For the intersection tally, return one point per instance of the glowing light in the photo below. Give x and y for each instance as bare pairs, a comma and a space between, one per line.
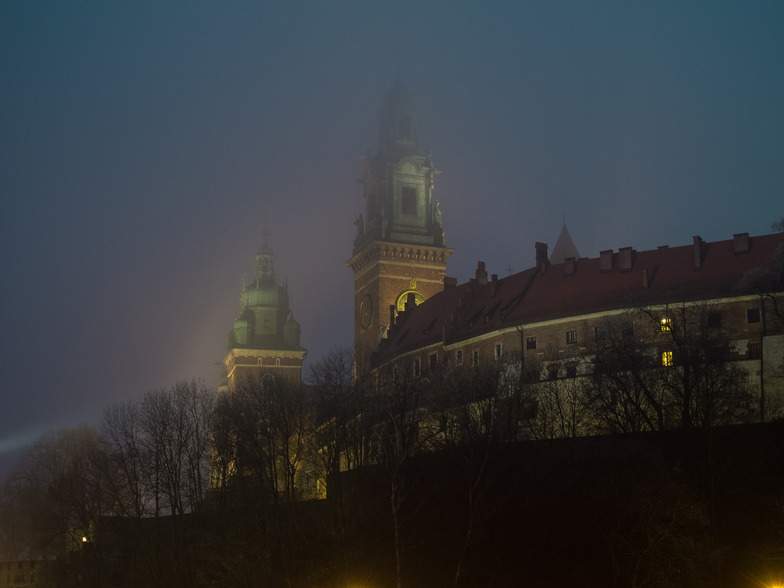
666, 358
665, 324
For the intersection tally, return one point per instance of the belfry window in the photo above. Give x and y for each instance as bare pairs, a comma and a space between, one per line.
408, 204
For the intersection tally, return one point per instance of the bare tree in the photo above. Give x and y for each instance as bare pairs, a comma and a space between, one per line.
55, 493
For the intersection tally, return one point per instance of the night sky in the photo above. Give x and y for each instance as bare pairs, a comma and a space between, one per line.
142, 145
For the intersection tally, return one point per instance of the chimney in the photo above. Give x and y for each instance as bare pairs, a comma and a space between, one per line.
741, 243
645, 278
625, 255
569, 267
481, 273
494, 282
697, 252
449, 282
542, 263
606, 261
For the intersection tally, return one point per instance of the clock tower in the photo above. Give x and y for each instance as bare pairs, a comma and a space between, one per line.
399, 248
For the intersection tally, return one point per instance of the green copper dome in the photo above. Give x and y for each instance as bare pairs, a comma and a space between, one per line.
257, 295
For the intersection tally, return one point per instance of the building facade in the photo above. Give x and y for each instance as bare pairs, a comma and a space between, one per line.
677, 333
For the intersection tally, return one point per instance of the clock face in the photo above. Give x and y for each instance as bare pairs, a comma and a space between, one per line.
401, 300
366, 311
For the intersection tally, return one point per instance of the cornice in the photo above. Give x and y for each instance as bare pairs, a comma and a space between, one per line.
384, 250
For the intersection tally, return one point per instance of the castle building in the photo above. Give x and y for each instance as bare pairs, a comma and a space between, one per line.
265, 335
399, 254
694, 309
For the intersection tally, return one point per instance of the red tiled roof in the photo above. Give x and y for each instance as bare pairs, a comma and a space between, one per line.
474, 308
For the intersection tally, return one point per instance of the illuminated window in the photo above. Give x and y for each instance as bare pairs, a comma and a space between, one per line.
666, 324
498, 351
571, 337
753, 315
409, 200
666, 358
459, 357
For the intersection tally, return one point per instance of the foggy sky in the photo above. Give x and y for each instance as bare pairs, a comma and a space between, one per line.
141, 145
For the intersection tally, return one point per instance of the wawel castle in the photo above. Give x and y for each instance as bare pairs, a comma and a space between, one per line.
624, 341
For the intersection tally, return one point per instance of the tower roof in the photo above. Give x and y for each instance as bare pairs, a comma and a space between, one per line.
564, 247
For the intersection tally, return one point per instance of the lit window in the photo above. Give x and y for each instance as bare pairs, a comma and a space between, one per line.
498, 351
571, 337
666, 324
753, 315
530, 343
666, 358
459, 357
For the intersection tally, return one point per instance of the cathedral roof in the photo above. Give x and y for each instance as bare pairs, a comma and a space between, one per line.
564, 247
614, 280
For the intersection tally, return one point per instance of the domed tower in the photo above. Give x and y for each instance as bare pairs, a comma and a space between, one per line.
399, 247
265, 334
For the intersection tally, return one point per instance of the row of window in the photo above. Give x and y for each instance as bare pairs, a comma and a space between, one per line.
599, 334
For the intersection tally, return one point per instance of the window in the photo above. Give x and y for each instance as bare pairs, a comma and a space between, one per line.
433, 361
571, 337
754, 351
475, 356
498, 351
459, 357
753, 315
714, 320
530, 343
417, 368
666, 358
409, 200
277, 362
666, 324
552, 371
571, 370
599, 333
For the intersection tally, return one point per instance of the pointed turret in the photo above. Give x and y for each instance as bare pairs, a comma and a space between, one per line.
564, 247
